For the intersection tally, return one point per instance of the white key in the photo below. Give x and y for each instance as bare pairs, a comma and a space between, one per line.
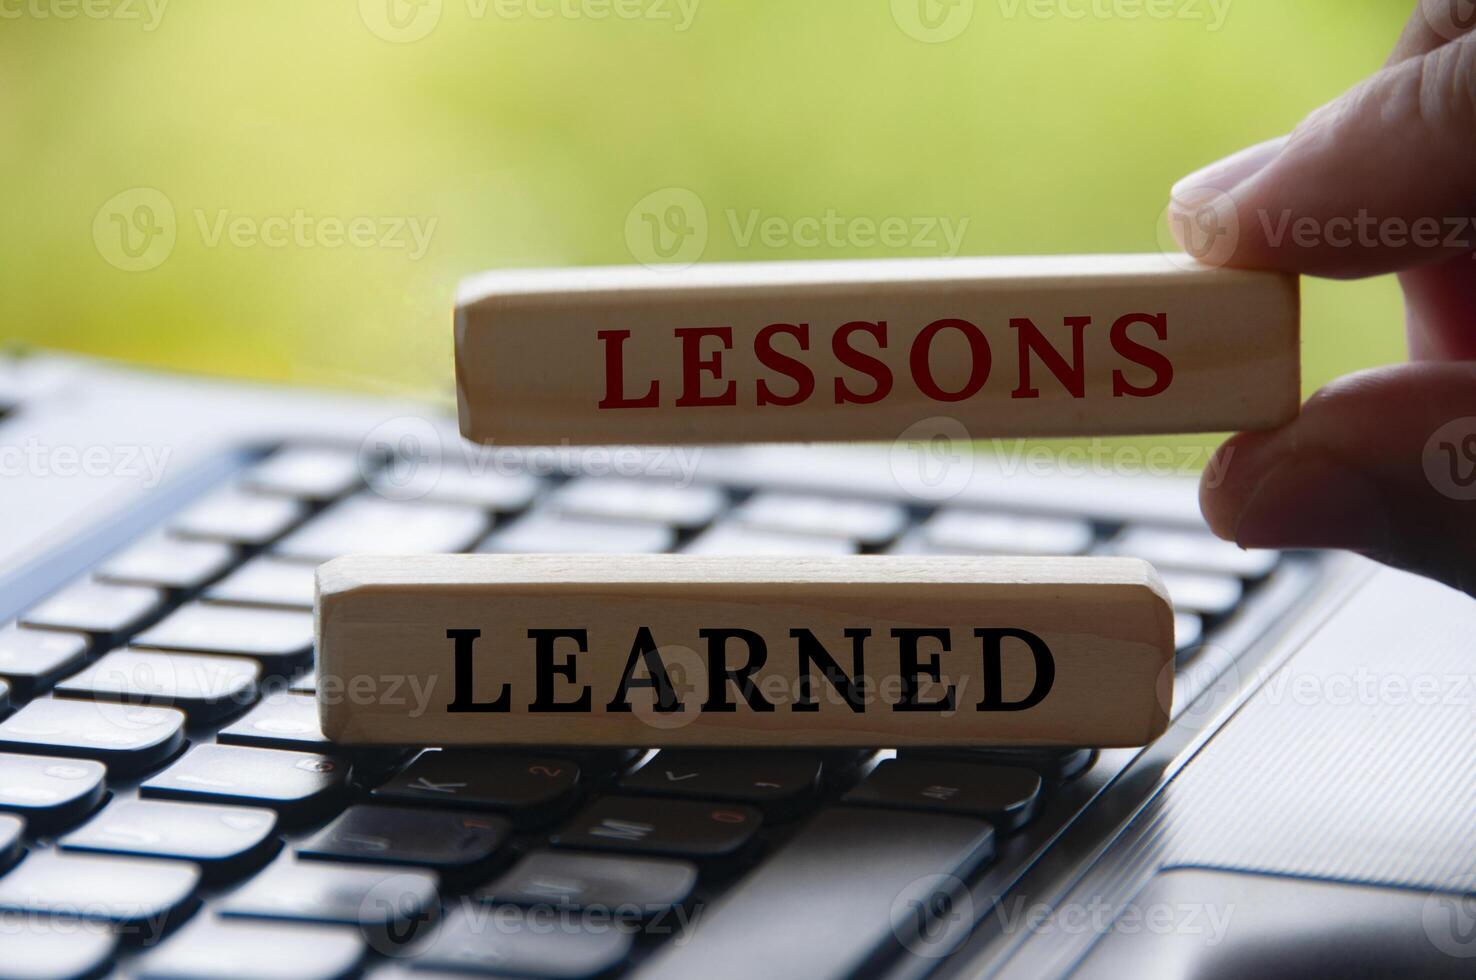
971, 532
544, 532
870, 522
737, 540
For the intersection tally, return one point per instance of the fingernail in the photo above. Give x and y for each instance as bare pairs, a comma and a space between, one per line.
1314, 502
1227, 174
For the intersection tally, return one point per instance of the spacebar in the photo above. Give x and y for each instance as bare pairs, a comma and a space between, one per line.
843, 893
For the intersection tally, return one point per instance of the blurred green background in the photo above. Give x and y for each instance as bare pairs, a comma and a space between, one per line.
523, 132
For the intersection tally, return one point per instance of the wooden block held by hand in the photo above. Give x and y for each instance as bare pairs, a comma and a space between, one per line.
669, 650
835, 351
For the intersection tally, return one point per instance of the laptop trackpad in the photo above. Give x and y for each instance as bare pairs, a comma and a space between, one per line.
1217, 925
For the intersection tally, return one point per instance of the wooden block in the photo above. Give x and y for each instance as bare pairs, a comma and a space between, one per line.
575, 650
835, 351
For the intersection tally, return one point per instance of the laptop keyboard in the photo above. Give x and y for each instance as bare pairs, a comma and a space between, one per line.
169, 807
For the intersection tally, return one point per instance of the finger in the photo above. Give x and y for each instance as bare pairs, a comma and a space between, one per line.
1439, 301
1383, 463
1378, 181
1433, 23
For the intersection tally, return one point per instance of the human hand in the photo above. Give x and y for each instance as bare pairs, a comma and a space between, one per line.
1382, 180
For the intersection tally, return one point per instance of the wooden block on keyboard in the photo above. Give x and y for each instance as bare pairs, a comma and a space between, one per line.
835, 351
671, 650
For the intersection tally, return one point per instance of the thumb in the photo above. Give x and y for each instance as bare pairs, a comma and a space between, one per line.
1378, 181
1382, 462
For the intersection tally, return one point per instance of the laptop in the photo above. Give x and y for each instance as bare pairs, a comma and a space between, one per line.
169, 808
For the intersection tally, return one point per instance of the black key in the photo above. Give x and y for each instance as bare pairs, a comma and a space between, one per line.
50, 793
840, 765
203, 686
282, 721
4, 698
1057, 765
280, 639
300, 786
96, 607
612, 883
225, 841
497, 941
446, 840
312, 472
547, 532
32, 660
142, 898
240, 517
12, 829
681, 828
126, 738
398, 900
617, 498
530, 789
58, 949
168, 563
597, 764
838, 896
1005, 795
372, 525
776, 782
215, 949
267, 581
